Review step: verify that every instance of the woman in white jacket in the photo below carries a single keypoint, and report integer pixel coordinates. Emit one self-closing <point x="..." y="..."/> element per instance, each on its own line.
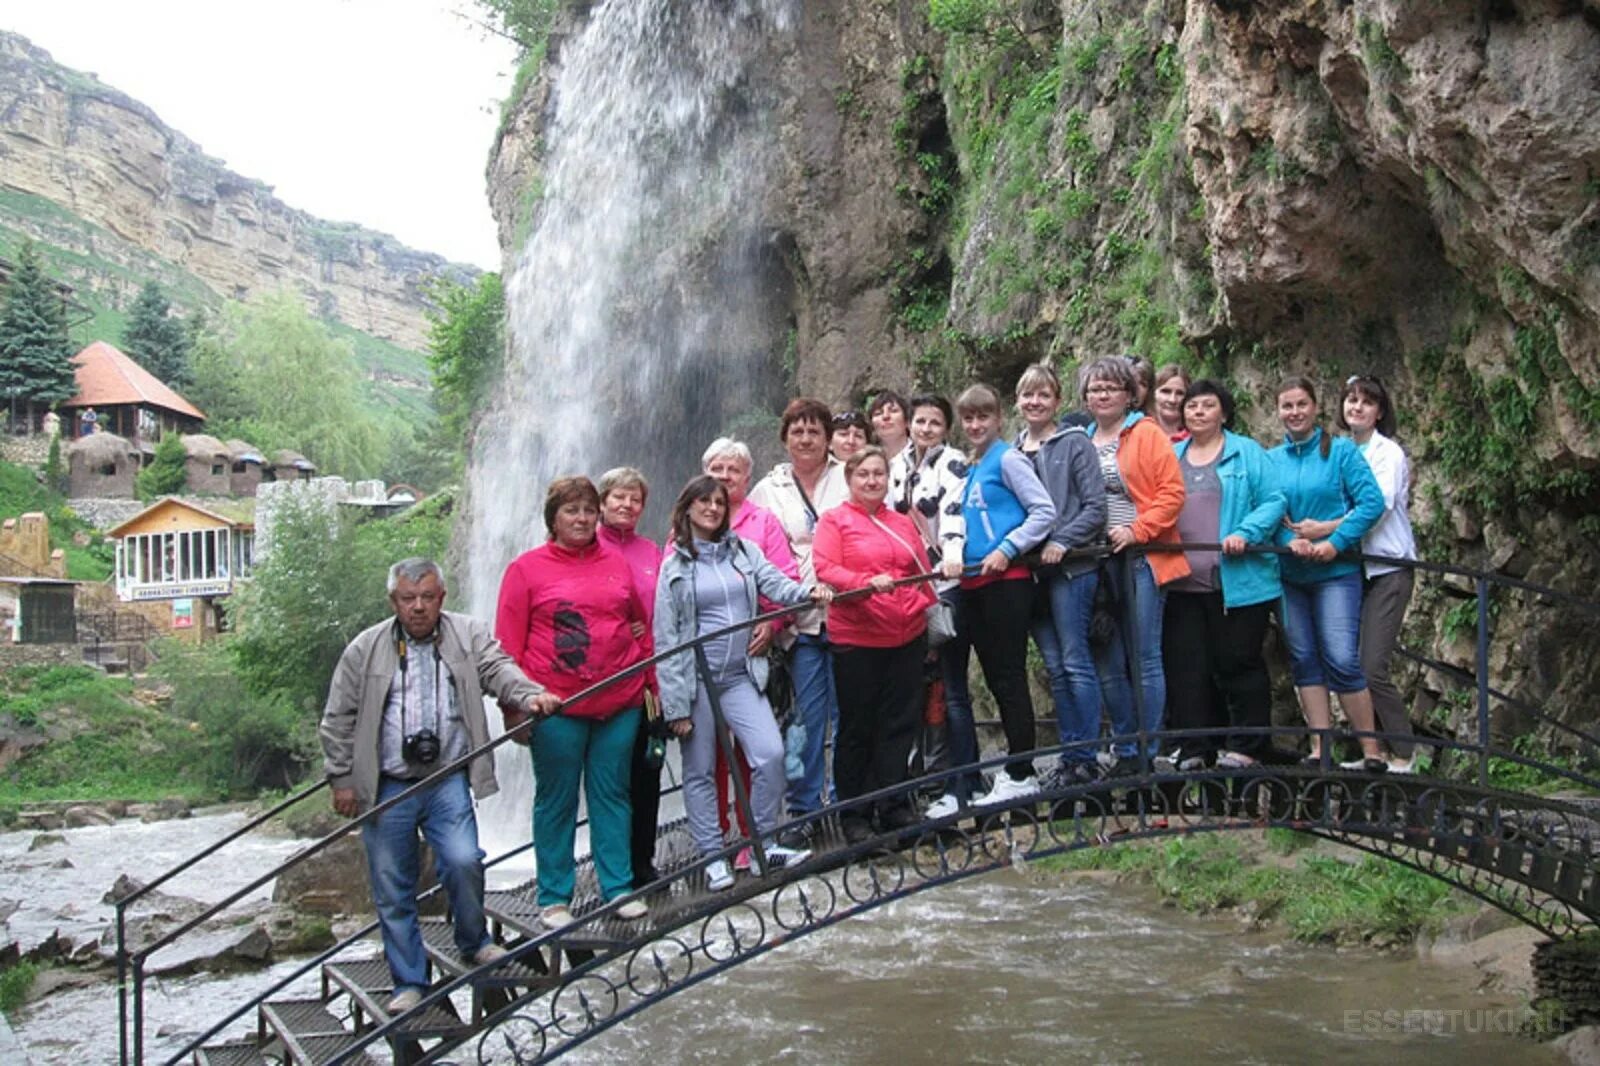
<point x="1365" y="410"/>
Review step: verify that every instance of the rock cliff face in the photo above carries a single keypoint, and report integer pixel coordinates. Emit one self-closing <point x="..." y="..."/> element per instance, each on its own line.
<point x="150" y="191"/>
<point x="1313" y="186"/>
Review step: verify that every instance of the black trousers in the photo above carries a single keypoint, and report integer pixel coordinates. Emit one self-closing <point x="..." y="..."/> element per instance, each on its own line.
<point x="644" y="790"/>
<point x="1216" y="675"/>
<point x="996" y="618"/>
<point x="880" y="711"/>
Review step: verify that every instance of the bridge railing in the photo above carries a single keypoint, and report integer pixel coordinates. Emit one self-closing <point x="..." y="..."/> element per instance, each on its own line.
<point x="132" y="963"/>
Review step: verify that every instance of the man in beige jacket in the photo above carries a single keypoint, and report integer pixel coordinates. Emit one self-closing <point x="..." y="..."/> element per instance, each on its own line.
<point x="406" y="699"/>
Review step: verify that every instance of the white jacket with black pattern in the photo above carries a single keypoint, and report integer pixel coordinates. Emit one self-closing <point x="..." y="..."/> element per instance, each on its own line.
<point x="930" y="490"/>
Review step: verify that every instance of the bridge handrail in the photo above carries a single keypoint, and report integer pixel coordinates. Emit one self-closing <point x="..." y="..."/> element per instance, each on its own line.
<point x="1481" y="578"/>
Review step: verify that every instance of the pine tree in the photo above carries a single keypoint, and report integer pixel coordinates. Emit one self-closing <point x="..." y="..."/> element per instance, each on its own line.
<point x="35" y="350"/>
<point x="165" y="475"/>
<point x="156" y="340"/>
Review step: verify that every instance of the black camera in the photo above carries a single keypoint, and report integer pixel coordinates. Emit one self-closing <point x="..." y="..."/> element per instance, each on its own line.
<point x="421" y="747"/>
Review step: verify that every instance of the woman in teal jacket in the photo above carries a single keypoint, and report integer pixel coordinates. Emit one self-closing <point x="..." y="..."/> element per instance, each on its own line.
<point x="1216" y="617"/>
<point x="1333" y="500"/>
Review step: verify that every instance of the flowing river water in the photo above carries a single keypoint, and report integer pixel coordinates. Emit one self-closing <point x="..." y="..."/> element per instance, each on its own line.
<point x="1008" y="968"/>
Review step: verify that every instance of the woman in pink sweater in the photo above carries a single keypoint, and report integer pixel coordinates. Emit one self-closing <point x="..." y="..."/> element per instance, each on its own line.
<point x="879" y="642"/>
<point x="569" y="614"/>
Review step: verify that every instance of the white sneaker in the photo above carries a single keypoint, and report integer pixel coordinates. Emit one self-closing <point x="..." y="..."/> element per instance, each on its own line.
<point x="633" y="910"/>
<point x="943" y="807"/>
<point x="781" y="858"/>
<point x="1006" y="788"/>
<point x="558" y="916"/>
<point x="1398" y="765"/>
<point x="718" y="876"/>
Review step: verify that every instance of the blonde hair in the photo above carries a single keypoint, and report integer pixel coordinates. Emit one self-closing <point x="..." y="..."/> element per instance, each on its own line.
<point x="1039" y="376"/>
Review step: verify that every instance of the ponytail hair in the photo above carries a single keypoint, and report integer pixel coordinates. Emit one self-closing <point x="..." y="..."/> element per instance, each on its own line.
<point x="1305" y="384"/>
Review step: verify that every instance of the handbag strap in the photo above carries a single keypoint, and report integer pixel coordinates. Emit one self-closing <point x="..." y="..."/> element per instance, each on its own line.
<point x="898" y="540"/>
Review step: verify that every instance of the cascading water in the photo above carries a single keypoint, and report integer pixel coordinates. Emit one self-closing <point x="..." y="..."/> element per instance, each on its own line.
<point x="649" y="306"/>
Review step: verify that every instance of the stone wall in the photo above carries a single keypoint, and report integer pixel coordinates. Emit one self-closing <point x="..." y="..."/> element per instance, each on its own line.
<point x="30" y="450"/>
<point x="15" y="655"/>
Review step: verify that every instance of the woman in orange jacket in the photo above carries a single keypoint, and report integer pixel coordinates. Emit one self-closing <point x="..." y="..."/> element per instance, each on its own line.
<point x="1144" y="494"/>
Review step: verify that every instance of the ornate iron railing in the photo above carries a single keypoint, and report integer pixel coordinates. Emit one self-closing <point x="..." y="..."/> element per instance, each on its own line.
<point x="1271" y="787"/>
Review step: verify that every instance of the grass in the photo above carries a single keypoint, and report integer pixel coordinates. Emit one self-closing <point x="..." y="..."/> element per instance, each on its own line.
<point x="21" y="492"/>
<point x="15" y="981"/>
<point x="105" y="744"/>
<point x="1318" y="898"/>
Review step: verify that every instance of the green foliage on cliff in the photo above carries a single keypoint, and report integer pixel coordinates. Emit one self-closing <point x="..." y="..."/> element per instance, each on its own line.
<point x="466" y="342"/>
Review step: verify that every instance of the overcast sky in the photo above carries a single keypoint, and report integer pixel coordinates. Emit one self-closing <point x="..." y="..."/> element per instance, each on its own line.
<point x="380" y="112"/>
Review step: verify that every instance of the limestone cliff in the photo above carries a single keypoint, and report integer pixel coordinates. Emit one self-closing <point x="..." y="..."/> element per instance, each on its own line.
<point x="156" y="205"/>
<point x="1253" y="189"/>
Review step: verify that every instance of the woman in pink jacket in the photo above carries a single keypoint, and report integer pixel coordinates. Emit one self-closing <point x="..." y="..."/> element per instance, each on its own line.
<point x="879" y="642"/>
<point x="569" y="613"/>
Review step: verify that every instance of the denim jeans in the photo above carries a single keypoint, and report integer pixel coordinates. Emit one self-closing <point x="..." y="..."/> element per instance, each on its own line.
<point x="599" y="751"/>
<point x="444" y="814"/>
<point x="1139" y="622"/>
<point x="1063" y="639"/>
<point x="811" y="664"/>
<point x="1322" y="628"/>
<point x="955" y="658"/>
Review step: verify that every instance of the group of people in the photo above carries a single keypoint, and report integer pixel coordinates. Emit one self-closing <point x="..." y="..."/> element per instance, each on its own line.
<point x="904" y="554"/>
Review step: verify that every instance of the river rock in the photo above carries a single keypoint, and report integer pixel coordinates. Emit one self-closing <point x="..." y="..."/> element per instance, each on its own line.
<point x="40" y="819"/>
<point x="123" y="886"/>
<point x="1581" y="1046"/>
<point x="117" y="808"/>
<point x="172" y="807"/>
<point x="333" y="881"/>
<point x="213" y="949"/>
<point x="45" y="840"/>
<point x="8" y="907"/>
<point x="78" y="817"/>
<point x="56" y="979"/>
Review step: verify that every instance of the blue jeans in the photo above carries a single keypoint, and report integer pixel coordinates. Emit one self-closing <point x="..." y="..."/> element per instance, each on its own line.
<point x="1138" y="622"/>
<point x="1063" y="639"/>
<point x="600" y="752"/>
<point x="811" y="665"/>
<point x="954" y="659"/>
<point x="444" y="814"/>
<point x="1322" y="628"/>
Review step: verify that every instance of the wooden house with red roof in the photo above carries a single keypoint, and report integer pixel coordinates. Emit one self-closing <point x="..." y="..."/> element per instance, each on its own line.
<point x="126" y="399"/>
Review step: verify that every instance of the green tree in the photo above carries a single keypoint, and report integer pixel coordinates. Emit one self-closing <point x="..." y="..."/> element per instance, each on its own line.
<point x="157" y="340"/>
<point x="466" y="349"/>
<point x="35" y="350"/>
<point x="165" y="475"/>
<point x="270" y="373"/>
<point x="527" y="22"/>
<point x="321" y="583"/>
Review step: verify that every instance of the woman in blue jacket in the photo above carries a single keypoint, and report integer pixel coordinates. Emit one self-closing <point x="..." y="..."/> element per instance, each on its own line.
<point x="1216" y="617"/>
<point x="1332" y="501"/>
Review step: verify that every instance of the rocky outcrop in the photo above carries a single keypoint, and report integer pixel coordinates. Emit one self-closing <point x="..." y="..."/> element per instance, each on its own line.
<point x="1411" y="190"/>
<point x="148" y="190"/>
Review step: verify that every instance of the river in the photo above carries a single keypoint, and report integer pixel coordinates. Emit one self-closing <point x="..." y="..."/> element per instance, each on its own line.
<point x="1008" y="968"/>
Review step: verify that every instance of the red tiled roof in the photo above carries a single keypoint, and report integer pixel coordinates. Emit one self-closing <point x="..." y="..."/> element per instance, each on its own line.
<point x="107" y="377"/>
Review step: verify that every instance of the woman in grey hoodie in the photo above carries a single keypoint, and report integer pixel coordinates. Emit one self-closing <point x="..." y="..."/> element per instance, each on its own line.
<point x="711" y="579"/>
<point x="1065" y="461"/>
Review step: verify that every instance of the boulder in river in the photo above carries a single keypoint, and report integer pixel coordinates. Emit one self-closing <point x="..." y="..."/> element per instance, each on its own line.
<point x="80" y="816"/>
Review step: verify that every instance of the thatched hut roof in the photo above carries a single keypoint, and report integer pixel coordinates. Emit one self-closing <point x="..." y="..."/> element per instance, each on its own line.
<point x="204" y="446"/>
<point x="244" y="452"/>
<point x="99" y="448"/>
<point x="285" y="457"/>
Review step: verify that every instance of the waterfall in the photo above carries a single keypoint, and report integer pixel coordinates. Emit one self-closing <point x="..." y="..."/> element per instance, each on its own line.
<point x="649" y="306"/>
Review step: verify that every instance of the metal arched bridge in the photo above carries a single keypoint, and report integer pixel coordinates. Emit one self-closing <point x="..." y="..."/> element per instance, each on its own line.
<point x="1535" y="856"/>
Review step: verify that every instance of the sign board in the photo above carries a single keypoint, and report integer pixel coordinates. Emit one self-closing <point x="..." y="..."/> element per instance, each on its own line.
<point x="178" y="590"/>
<point x="182" y="614"/>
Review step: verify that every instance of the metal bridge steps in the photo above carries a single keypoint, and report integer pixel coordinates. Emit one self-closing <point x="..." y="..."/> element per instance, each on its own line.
<point x="236" y="1053"/>
<point x="309" y="1033"/>
<point x="439" y="941"/>
<point x="368" y="984"/>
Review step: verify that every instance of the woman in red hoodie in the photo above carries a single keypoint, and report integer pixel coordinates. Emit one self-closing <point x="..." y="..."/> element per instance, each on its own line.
<point x="567" y="615"/>
<point x="879" y="642"/>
